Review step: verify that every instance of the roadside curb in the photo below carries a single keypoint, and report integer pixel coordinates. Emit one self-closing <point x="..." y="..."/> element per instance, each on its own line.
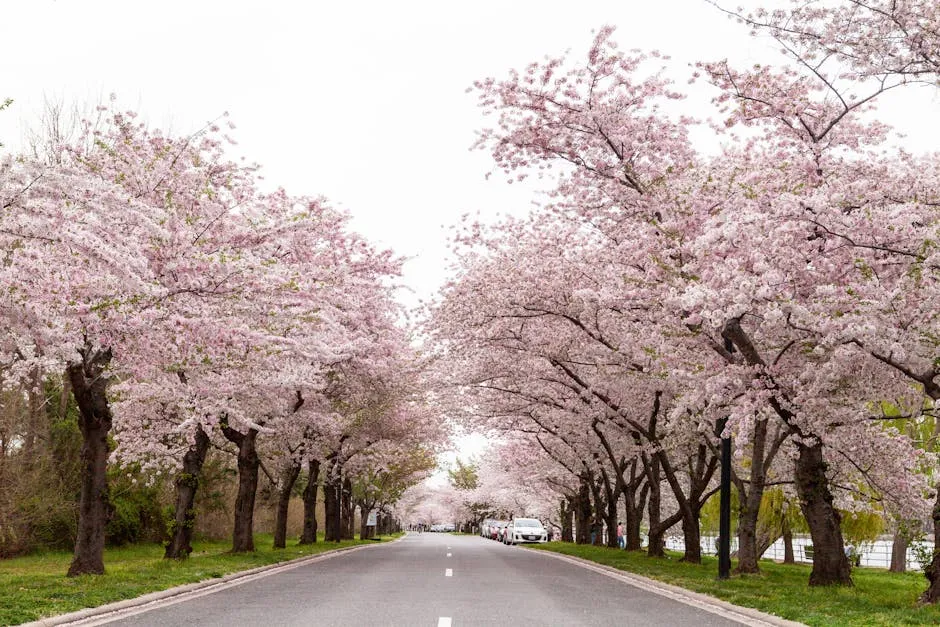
<point x="746" y="615"/>
<point x="151" y="600"/>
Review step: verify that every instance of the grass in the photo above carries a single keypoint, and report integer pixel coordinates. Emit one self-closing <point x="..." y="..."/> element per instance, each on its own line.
<point x="878" y="597"/>
<point x="35" y="586"/>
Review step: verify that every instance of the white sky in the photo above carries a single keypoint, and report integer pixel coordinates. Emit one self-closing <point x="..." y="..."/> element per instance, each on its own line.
<point x="362" y="102"/>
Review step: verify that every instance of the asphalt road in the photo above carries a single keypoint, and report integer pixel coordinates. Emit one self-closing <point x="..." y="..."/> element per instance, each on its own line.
<point x="432" y="580"/>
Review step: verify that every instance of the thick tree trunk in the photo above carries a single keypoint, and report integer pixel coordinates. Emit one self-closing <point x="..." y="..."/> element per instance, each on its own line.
<point x="283" y="505"/>
<point x="365" y="531"/>
<point x="657" y="533"/>
<point x="692" y="534"/>
<point x="566" y="512"/>
<point x="932" y="572"/>
<point x="747" y="537"/>
<point x="750" y="500"/>
<point x="332" y="486"/>
<point x="788" y="544"/>
<point x="348" y="511"/>
<point x="582" y="513"/>
<point x="248" y="464"/>
<point x="187" y="482"/>
<point x="899" y="553"/>
<point x="89" y="386"/>
<point x="634" y="504"/>
<point x="309" y="534"/>
<point x="830" y="565"/>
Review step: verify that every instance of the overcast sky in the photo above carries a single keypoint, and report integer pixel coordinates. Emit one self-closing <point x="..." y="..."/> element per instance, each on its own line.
<point x="362" y="102"/>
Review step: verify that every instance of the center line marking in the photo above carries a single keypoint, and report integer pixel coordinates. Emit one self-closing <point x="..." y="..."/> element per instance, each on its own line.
<point x="448" y="555"/>
<point x="443" y="621"/>
<point x="449" y="572"/>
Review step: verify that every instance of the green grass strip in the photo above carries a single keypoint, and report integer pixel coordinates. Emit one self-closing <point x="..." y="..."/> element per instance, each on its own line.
<point x="35" y="586"/>
<point x="878" y="597"/>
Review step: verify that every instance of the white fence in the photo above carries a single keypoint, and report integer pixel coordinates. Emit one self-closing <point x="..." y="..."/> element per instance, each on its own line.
<point x="876" y="554"/>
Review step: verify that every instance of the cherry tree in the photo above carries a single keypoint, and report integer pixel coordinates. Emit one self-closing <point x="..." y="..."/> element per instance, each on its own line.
<point x="676" y="210"/>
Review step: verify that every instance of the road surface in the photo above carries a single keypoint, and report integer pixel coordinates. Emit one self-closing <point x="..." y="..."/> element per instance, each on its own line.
<point x="432" y="580"/>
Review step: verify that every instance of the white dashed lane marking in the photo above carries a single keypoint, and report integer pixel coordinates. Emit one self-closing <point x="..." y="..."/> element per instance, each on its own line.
<point x="449" y="572"/>
<point x="443" y="621"/>
<point x="448" y="555"/>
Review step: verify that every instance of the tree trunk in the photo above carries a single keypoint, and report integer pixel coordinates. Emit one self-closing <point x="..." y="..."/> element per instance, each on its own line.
<point x="750" y="500"/>
<point x="248" y="463"/>
<point x="657" y="533"/>
<point x="348" y="508"/>
<point x="830" y="565"/>
<point x="366" y="532"/>
<point x="283" y="505"/>
<point x="89" y="386"/>
<point x="692" y="534"/>
<point x="309" y="534"/>
<point x="747" y="536"/>
<point x="899" y="552"/>
<point x="932" y="572"/>
<point x="787" y="544"/>
<point x="332" y="486"/>
<point x="634" y="504"/>
<point x="582" y="512"/>
<point x="566" y="511"/>
<point x="187" y="482"/>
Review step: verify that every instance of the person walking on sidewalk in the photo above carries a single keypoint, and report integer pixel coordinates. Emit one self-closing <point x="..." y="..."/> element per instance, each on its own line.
<point x="620" y="540"/>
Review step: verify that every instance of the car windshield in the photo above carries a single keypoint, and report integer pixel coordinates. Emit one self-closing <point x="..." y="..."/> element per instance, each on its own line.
<point x="527" y="522"/>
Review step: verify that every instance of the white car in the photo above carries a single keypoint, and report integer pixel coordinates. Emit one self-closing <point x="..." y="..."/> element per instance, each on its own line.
<point x="525" y="530"/>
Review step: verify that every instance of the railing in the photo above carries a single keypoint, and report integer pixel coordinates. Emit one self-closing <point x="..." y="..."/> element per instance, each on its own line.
<point x="876" y="554"/>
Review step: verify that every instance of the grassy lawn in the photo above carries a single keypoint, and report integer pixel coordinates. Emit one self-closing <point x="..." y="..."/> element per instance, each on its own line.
<point x="878" y="598"/>
<point x="35" y="586"/>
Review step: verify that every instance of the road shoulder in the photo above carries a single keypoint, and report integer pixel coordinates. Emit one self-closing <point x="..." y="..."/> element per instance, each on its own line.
<point x="178" y="594"/>
<point x="698" y="600"/>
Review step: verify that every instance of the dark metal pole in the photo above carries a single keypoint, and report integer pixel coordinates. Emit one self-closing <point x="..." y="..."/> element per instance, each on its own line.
<point x="724" y="515"/>
<point x="724" y="504"/>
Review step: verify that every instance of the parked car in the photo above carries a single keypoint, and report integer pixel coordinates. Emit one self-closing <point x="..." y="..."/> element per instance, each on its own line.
<point x="525" y="530"/>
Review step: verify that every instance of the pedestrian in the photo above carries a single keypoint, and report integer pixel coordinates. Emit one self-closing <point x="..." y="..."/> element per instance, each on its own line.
<point x="594" y="529"/>
<point x="620" y="540"/>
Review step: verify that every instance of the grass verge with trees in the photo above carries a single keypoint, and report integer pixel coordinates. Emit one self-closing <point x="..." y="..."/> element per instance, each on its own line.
<point x="32" y="587"/>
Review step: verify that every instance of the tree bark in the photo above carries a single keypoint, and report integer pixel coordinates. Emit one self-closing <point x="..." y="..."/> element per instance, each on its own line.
<point x="248" y="463"/>
<point x="366" y="532"/>
<point x="283" y="505"/>
<point x="830" y="565"/>
<point x="332" y="486"/>
<point x="348" y="509"/>
<point x="89" y="387"/>
<point x="932" y="572"/>
<point x="187" y="482"/>
<point x="788" y="544"/>
<point x="566" y="513"/>
<point x="309" y="534"/>
<point x="899" y="552"/>
<point x="750" y="500"/>
<point x="657" y="532"/>
<point x="582" y="513"/>
<point x="692" y="535"/>
<point x="634" y="504"/>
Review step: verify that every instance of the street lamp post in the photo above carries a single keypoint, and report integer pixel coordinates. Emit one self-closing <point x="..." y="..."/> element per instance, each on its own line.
<point x="724" y="504"/>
